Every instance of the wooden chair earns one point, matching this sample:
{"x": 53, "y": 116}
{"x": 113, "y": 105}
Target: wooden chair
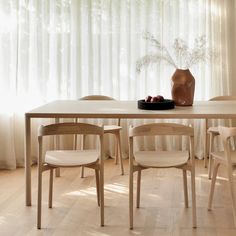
{"x": 70, "y": 158}
{"x": 228, "y": 159}
{"x": 108, "y": 129}
{"x": 212, "y": 132}
{"x": 141, "y": 160}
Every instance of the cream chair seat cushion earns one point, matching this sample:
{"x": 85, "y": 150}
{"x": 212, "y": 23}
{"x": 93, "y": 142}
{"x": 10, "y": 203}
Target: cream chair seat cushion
{"x": 71, "y": 157}
{"x": 161, "y": 158}
{"x": 221, "y": 156}
{"x": 109, "y": 128}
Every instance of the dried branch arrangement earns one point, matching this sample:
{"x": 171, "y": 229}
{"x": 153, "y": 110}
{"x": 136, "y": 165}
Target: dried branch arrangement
{"x": 182, "y": 57}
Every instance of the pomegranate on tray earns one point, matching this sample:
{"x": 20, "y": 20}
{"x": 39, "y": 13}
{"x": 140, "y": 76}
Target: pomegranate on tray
{"x": 157, "y": 98}
{"x": 156, "y": 103}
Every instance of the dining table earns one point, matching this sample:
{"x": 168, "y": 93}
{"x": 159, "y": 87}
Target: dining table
{"x": 117, "y": 109}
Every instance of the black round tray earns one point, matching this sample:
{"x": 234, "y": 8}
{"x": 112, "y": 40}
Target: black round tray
{"x": 165, "y": 105}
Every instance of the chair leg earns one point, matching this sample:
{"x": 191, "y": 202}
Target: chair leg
{"x": 211, "y": 142}
{"x": 185, "y": 183}
{"x": 232, "y": 193}
{"x": 97, "y": 186}
{"x": 57, "y": 146}
{"x": 39, "y": 207}
{"x": 101, "y": 191}
{"x": 116, "y": 149}
{"x": 119, "y": 153}
{"x": 57, "y": 172}
{"x": 138, "y": 188}
{"x": 206, "y": 152}
{"x": 131, "y": 199}
{"x": 75, "y": 142}
{"x": 50, "y": 189}
{"x": 213, "y": 181}
{"x": 76, "y": 120}
{"x": 194, "y": 216}
{"x": 82, "y": 172}
{"x": 82, "y": 147}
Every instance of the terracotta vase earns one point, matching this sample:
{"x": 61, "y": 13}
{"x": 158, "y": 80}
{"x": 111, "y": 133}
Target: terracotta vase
{"x": 183, "y": 85}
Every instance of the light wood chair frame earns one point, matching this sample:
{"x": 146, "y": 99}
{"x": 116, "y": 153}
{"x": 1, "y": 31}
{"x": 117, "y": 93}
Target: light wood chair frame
{"x": 70, "y": 129}
{"x": 116, "y": 132}
{"x": 155, "y": 129}
{"x": 224, "y": 158}
{"x": 211, "y": 133}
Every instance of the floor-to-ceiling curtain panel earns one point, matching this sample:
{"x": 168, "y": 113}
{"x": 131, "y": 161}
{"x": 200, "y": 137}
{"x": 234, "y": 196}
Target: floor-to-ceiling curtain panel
{"x": 66, "y": 49}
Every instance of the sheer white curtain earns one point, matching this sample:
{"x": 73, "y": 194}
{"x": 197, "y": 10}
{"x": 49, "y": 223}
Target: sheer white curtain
{"x": 65, "y": 49}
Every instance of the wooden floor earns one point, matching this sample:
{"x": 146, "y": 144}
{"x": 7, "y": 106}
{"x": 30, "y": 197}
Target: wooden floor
{"x": 75, "y": 210}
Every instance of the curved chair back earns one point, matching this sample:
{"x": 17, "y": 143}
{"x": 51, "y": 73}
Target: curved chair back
{"x": 70, "y": 128}
{"x": 223, "y": 98}
{"x": 207, "y": 142}
{"x": 96, "y": 97}
{"x": 161, "y": 129}
{"x": 226, "y": 133}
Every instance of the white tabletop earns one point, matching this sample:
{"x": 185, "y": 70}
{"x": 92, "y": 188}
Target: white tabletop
{"x": 129, "y": 109}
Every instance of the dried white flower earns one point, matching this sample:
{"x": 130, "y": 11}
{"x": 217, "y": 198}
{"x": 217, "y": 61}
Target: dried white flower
{"x": 182, "y": 57}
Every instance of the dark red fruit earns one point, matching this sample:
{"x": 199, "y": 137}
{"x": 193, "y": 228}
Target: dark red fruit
{"x": 154, "y": 99}
{"x": 160, "y": 98}
{"x": 148, "y": 99}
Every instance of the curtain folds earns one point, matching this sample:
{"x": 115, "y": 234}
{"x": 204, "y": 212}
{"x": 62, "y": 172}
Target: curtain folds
{"x": 66, "y": 49}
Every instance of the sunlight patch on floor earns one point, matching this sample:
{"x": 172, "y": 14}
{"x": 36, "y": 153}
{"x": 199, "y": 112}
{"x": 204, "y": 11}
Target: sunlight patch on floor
{"x": 83, "y": 192}
{"x": 2, "y": 220}
{"x": 116, "y": 187}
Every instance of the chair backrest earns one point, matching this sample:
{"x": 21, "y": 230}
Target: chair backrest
{"x": 96, "y": 97}
{"x": 223, "y": 98}
{"x": 220, "y": 98}
{"x": 226, "y": 133}
{"x": 70, "y": 128}
{"x": 161, "y": 129}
